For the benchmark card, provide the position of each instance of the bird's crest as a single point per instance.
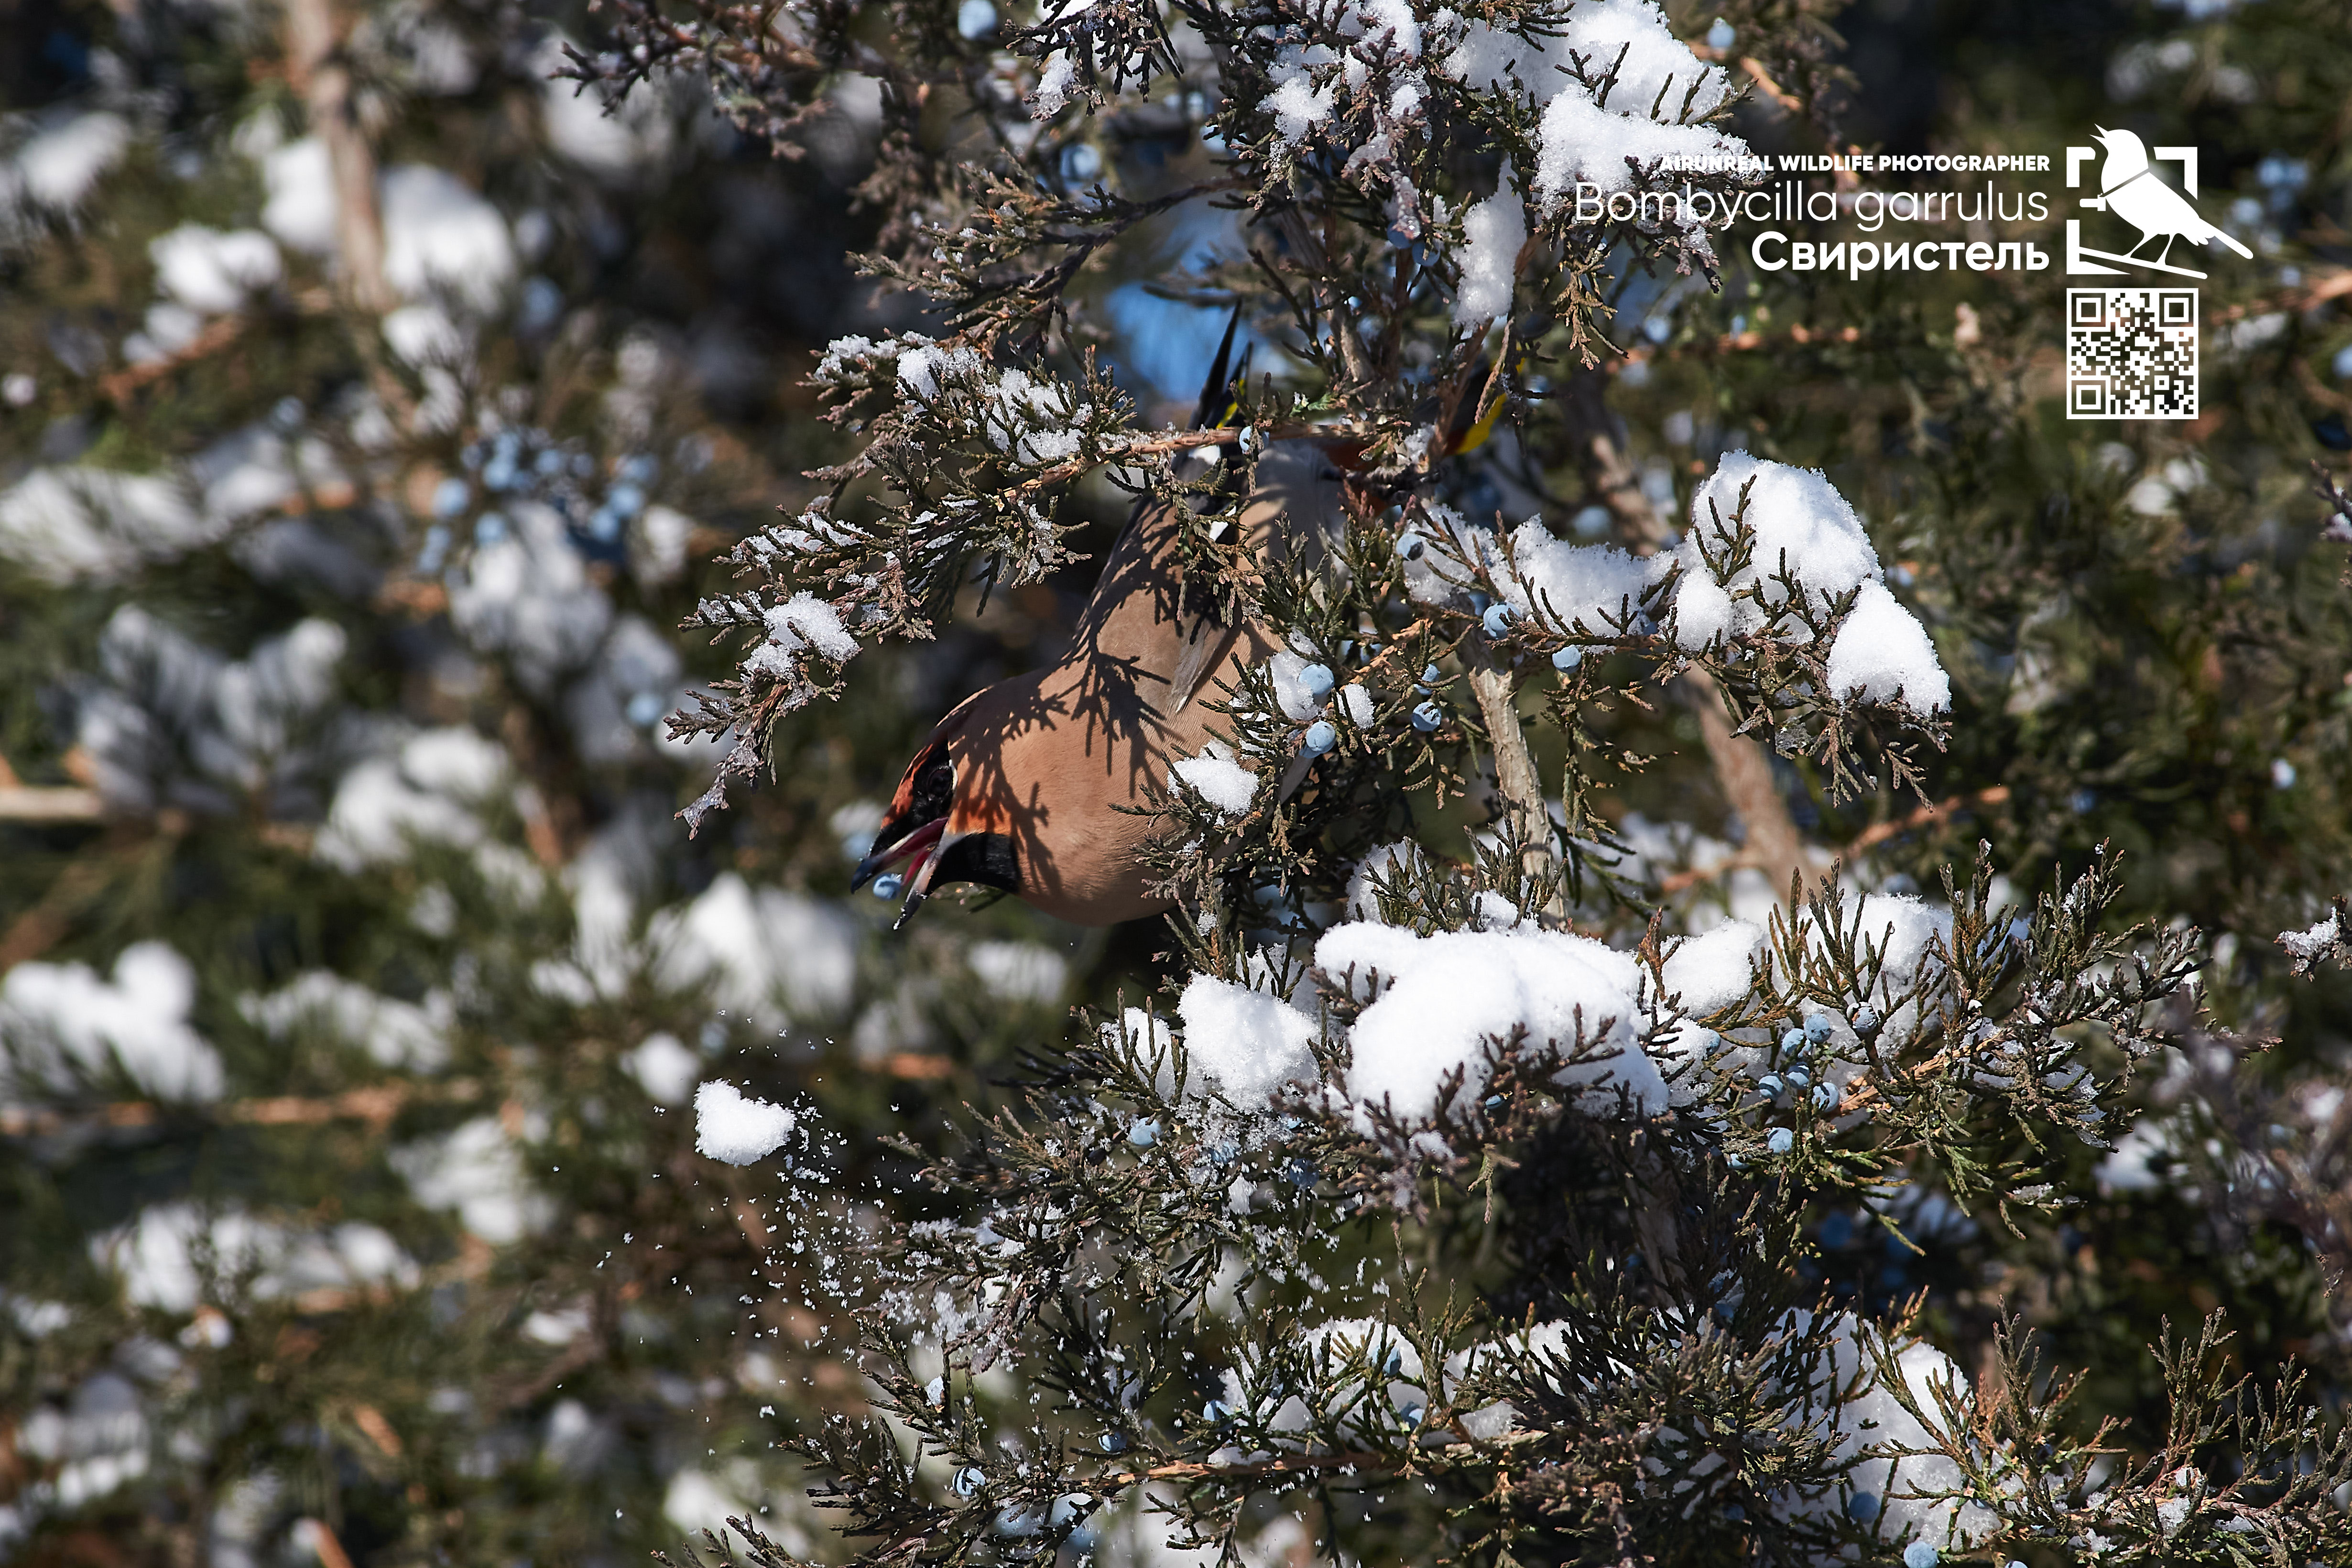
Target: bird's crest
(1221, 393)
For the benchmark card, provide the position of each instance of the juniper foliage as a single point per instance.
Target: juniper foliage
(1680, 1395)
(356, 971)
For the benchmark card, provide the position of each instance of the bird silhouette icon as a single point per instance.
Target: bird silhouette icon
(2130, 188)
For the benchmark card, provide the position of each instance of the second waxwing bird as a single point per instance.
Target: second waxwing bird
(1041, 784)
(2130, 188)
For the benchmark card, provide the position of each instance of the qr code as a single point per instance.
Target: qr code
(2131, 354)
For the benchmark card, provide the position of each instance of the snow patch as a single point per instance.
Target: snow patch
(1019, 971)
(741, 1130)
(1247, 1043)
(1492, 233)
(1799, 520)
(1864, 1413)
(1714, 970)
(439, 233)
(767, 954)
(1436, 1002)
(301, 209)
(404, 1036)
(64, 1029)
(1581, 143)
(529, 595)
(427, 791)
(1882, 654)
(206, 269)
(611, 139)
(801, 622)
(1218, 778)
(1055, 79)
(56, 168)
(476, 1170)
(72, 523)
(1560, 584)
(174, 1256)
(665, 1067)
(2308, 947)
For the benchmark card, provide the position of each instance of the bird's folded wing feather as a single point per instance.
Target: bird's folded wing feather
(1144, 615)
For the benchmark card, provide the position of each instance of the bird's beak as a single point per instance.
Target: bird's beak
(888, 854)
(920, 883)
(924, 845)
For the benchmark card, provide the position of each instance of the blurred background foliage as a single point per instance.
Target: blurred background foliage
(357, 973)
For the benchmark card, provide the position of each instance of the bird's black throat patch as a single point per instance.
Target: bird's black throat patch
(987, 858)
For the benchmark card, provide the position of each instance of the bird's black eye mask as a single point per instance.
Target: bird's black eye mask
(933, 792)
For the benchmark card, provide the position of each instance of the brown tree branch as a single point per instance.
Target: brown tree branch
(34, 803)
(1742, 769)
(1514, 770)
(314, 41)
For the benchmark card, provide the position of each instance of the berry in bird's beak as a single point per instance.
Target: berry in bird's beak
(922, 848)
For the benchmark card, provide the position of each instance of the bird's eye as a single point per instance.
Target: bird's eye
(934, 790)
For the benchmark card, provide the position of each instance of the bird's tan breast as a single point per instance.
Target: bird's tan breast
(1070, 764)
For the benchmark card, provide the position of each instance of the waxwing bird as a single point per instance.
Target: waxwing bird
(2131, 189)
(1034, 784)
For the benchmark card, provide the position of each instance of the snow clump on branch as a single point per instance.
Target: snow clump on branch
(1217, 778)
(1597, 120)
(1494, 231)
(802, 622)
(2329, 936)
(1867, 1416)
(1249, 1043)
(1563, 585)
(1432, 1004)
(1658, 68)
(62, 1026)
(1803, 529)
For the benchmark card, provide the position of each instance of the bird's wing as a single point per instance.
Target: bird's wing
(2163, 210)
(1144, 617)
(1207, 645)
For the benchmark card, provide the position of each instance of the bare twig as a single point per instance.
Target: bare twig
(322, 1541)
(376, 1104)
(315, 61)
(1876, 833)
(1741, 767)
(1772, 89)
(1515, 772)
(34, 803)
(216, 335)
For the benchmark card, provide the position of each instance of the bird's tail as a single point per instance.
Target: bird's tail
(2232, 241)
